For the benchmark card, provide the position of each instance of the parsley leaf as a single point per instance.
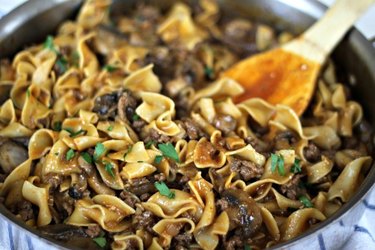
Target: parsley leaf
(277, 161)
(296, 168)
(164, 190)
(149, 144)
(169, 151)
(99, 151)
(100, 241)
(110, 128)
(109, 168)
(280, 165)
(28, 94)
(158, 159)
(87, 157)
(305, 201)
(74, 134)
(128, 151)
(135, 117)
(62, 64)
(57, 126)
(75, 57)
(209, 72)
(48, 44)
(70, 154)
(247, 247)
(274, 160)
(110, 68)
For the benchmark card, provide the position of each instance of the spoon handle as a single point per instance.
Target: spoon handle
(318, 41)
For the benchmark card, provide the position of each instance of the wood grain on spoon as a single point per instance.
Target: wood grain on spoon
(287, 75)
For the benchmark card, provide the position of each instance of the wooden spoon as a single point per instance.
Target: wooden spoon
(287, 75)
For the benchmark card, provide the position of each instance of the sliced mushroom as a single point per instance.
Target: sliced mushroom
(243, 211)
(11, 155)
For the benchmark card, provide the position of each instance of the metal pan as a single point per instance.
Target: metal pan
(31, 22)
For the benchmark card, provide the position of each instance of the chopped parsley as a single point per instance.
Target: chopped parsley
(158, 159)
(48, 44)
(99, 151)
(110, 128)
(277, 161)
(62, 64)
(164, 190)
(109, 168)
(247, 247)
(149, 144)
(75, 57)
(110, 68)
(135, 117)
(74, 134)
(128, 151)
(209, 72)
(305, 201)
(100, 241)
(296, 168)
(169, 151)
(28, 93)
(87, 157)
(57, 153)
(70, 154)
(57, 126)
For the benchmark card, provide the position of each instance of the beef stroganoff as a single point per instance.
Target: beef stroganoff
(120, 132)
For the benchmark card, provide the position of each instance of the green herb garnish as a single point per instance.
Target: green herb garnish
(169, 151)
(57, 153)
(99, 151)
(280, 165)
(57, 126)
(135, 117)
(100, 241)
(110, 68)
(296, 168)
(274, 160)
(158, 159)
(149, 144)
(70, 154)
(87, 157)
(277, 161)
(75, 57)
(110, 128)
(48, 44)
(164, 190)
(247, 247)
(28, 94)
(305, 201)
(109, 168)
(209, 72)
(128, 151)
(62, 64)
(74, 134)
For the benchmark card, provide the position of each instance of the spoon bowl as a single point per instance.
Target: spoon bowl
(287, 75)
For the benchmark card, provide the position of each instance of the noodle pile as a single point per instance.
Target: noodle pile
(129, 158)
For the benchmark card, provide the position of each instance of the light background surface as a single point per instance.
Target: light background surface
(12, 238)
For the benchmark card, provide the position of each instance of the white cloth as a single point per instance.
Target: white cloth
(14, 238)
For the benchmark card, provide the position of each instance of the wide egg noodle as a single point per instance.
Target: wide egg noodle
(180, 26)
(349, 179)
(38, 196)
(106, 210)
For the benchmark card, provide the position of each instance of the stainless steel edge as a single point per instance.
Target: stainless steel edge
(347, 215)
(28, 13)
